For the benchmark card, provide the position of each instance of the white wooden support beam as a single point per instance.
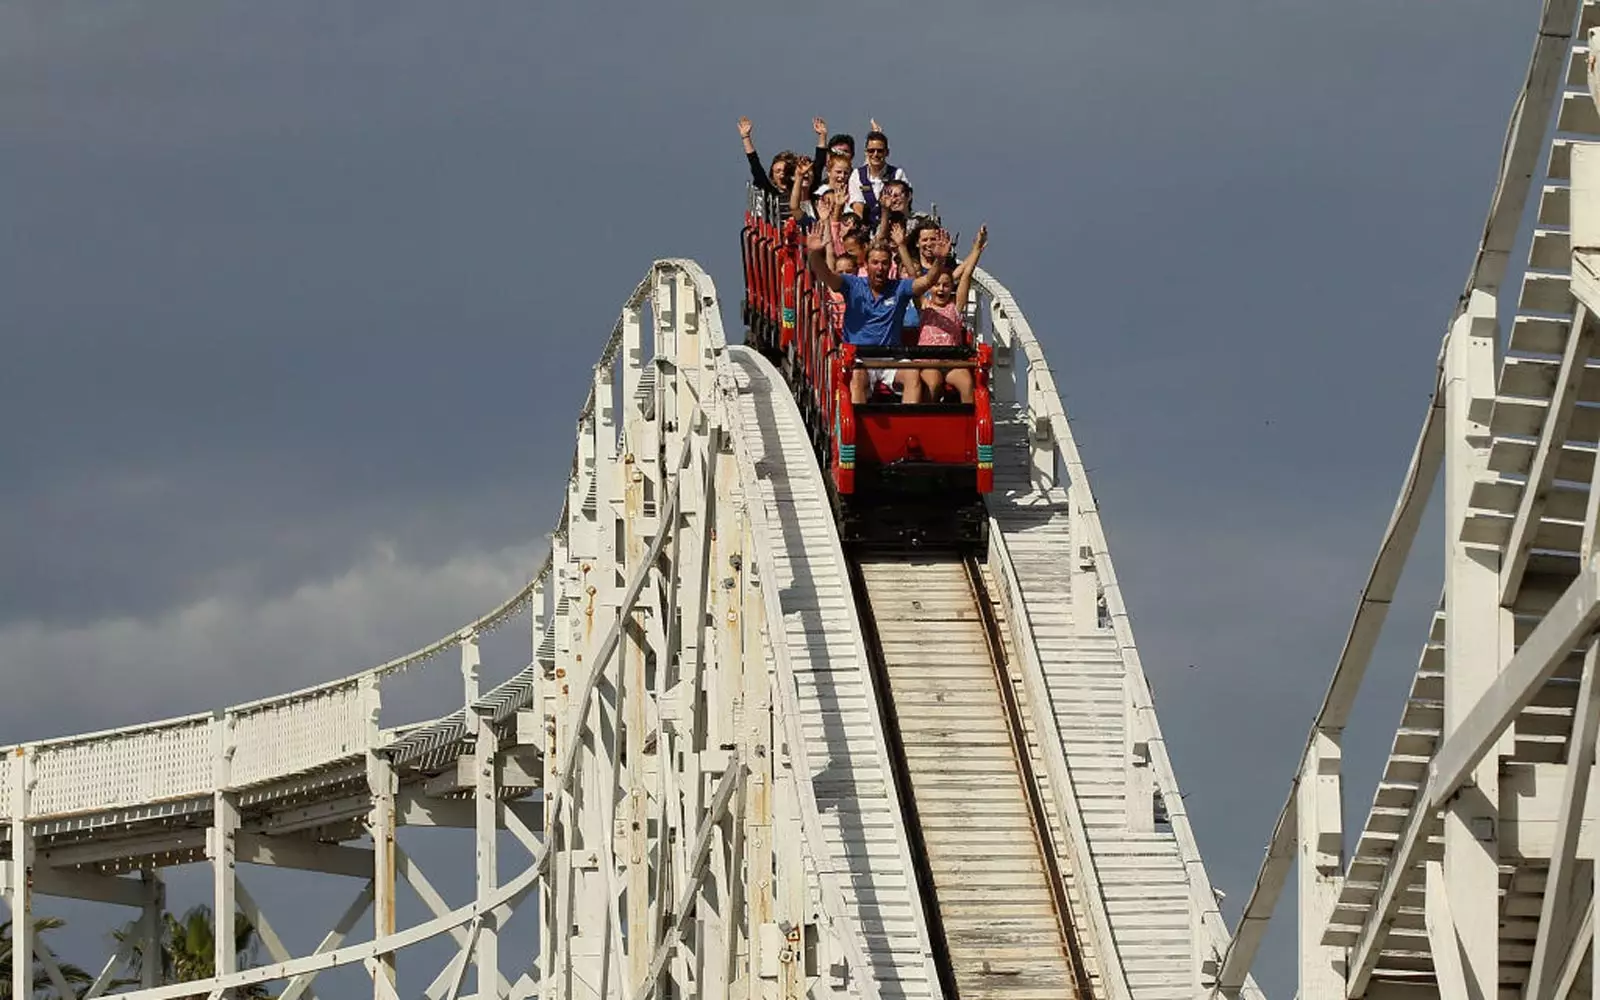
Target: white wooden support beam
(52, 968)
(633, 711)
(117, 891)
(1448, 964)
(1478, 695)
(305, 855)
(756, 750)
(431, 898)
(1472, 648)
(1572, 618)
(1558, 924)
(300, 985)
(1557, 921)
(1321, 867)
(264, 929)
(221, 845)
(420, 809)
(487, 877)
(150, 930)
(379, 866)
(108, 972)
(1582, 943)
(685, 909)
(520, 767)
(19, 891)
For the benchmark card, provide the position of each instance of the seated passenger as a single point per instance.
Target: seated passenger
(942, 313)
(826, 147)
(866, 183)
(836, 180)
(839, 225)
(774, 180)
(894, 209)
(875, 306)
(801, 206)
(844, 263)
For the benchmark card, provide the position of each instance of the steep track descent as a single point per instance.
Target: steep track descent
(999, 913)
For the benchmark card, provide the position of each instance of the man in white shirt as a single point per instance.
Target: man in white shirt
(866, 183)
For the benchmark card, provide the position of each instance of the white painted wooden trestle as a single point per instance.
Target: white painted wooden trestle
(1473, 873)
(685, 782)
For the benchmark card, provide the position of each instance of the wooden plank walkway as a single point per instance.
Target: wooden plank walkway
(850, 764)
(1141, 874)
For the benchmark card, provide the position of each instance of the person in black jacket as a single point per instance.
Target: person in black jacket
(777, 179)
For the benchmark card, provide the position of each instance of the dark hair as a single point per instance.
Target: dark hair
(787, 156)
(918, 226)
(876, 135)
(903, 184)
(843, 137)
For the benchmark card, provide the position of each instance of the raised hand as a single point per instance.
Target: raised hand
(873, 123)
(897, 234)
(826, 207)
(940, 244)
(981, 240)
(745, 128)
(816, 242)
(821, 128)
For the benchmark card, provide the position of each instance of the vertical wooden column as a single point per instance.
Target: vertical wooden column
(640, 462)
(486, 815)
(19, 888)
(1041, 441)
(756, 754)
(1319, 811)
(150, 928)
(1474, 646)
(555, 909)
(381, 786)
(220, 849)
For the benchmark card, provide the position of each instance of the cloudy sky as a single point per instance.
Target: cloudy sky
(298, 302)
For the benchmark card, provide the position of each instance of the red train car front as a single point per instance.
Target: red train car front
(902, 475)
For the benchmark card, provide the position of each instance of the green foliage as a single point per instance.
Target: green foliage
(189, 950)
(43, 987)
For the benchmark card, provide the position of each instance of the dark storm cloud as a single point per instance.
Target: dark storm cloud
(286, 285)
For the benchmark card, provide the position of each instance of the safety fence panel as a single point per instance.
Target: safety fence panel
(170, 760)
(297, 734)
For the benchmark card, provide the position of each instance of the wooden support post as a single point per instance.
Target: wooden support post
(1319, 807)
(151, 927)
(485, 799)
(382, 784)
(633, 652)
(756, 751)
(220, 849)
(1041, 439)
(1473, 647)
(19, 889)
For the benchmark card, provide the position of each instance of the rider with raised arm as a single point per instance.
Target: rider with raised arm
(776, 180)
(942, 326)
(875, 306)
(866, 183)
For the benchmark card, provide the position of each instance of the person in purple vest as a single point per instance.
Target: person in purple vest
(867, 181)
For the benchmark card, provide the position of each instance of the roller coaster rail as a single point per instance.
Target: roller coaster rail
(656, 753)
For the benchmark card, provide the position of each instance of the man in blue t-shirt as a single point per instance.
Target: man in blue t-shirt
(874, 306)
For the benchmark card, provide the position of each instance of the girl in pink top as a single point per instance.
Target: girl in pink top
(941, 310)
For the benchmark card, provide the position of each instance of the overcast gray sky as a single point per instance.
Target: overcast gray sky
(299, 302)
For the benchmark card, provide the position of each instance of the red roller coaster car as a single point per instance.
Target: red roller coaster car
(902, 475)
